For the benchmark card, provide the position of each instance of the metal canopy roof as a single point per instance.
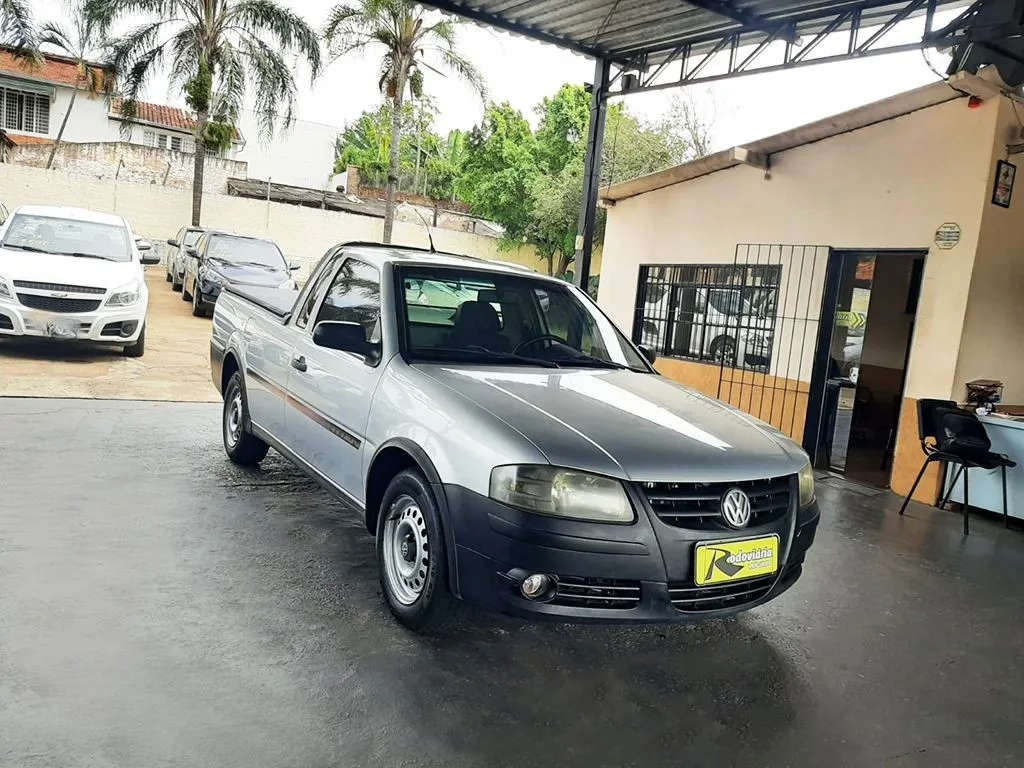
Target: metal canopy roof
(624, 30)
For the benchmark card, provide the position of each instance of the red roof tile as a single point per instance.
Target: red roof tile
(23, 139)
(52, 69)
(160, 114)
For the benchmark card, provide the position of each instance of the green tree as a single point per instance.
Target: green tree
(366, 142)
(17, 27)
(562, 134)
(500, 170)
(408, 43)
(445, 167)
(217, 51)
(79, 42)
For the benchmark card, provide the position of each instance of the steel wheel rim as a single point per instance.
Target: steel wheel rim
(406, 550)
(233, 423)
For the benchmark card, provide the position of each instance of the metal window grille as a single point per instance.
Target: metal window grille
(718, 313)
(28, 112)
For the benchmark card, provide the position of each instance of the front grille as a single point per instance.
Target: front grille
(706, 599)
(6, 324)
(58, 287)
(50, 304)
(575, 592)
(697, 505)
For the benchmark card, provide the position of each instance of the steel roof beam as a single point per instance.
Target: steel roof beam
(750, 21)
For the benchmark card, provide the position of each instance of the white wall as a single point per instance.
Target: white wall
(88, 121)
(302, 155)
(889, 185)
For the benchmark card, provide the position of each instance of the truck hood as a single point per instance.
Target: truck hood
(67, 270)
(636, 426)
(243, 274)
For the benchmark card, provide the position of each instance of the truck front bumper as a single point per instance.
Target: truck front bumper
(610, 574)
(115, 325)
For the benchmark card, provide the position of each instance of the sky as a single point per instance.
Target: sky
(522, 72)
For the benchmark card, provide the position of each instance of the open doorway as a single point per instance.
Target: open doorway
(867, 328)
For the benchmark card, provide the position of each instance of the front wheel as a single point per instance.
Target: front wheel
(138, 349)
(411, 556)
(185, 295)
(197, 302)
(241, 446)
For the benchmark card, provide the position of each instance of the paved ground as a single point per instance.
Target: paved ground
(176, 365)
(160, 607)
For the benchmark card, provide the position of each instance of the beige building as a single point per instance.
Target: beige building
(827, 278)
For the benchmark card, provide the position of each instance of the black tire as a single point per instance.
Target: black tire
(435, 608)
(175, 285)
(723, 350)
(241, 446)
(197, 303)
(138, 349)
(185, 295)
(168, 277)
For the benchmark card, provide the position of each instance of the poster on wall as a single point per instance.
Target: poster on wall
(1003, 190)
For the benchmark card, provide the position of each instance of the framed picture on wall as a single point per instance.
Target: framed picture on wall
(1003, 190)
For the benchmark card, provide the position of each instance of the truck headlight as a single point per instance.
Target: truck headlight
(806, 481)
(5, 290)
(127, 295)
(561, 493)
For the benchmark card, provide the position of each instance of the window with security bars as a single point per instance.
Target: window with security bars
(718, 313)
(159, 140)
(25, 112)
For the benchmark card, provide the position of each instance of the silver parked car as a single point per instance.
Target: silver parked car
(507, 445)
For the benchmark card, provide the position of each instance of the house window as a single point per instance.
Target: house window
(28, 112)
(159, 140)
(717, 313)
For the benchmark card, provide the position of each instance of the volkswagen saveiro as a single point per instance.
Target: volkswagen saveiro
(69, 273)
(507, 445)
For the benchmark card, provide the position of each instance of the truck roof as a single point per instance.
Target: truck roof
(378, 255)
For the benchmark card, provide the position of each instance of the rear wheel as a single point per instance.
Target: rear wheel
(138, 349)
(411, 556)
(723, 350)
(241, 446)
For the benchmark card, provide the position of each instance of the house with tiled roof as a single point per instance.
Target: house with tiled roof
(34, 99)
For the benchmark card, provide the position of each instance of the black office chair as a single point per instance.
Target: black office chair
(959, 438)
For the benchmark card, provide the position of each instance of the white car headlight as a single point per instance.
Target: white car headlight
(806, 480)
(561, 493)
(5, 290)
(127, 295)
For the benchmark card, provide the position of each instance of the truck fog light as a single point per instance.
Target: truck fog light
(535, 586)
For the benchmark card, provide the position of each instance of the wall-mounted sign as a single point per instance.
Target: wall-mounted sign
(947, 236)
(855, 321)
(1003, 189)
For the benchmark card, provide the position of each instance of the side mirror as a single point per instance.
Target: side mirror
(173, 243)
(345, 337)
(294, 266)
(149, 258)
(648, 354)
(191, 251)
(144, 245)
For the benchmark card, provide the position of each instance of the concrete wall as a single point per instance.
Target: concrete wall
(888, 185)
(132, 163)
(158, 212)
(88, 121)
(992, 334)
(301, 155)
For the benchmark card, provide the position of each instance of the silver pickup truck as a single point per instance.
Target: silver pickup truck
(507, 445)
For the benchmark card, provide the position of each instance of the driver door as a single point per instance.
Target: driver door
(330, 391)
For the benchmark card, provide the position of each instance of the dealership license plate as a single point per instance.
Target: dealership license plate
(719, 562)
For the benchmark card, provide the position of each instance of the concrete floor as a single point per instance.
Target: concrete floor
(161, 607)
(176, 365)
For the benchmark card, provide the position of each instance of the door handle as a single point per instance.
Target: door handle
(299, 363)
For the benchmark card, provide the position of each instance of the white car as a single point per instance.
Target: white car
(71, 273)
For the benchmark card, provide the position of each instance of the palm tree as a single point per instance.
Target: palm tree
(399, 29)
(17, 28)
(78, 43)
(216, 51)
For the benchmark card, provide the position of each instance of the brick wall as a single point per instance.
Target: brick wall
(132, 163)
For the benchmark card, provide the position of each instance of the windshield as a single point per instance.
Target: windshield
(68, 237)
(728, 302)
(192, 236)
(245, 250)
(464, 315)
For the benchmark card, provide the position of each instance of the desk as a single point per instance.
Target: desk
(986, 486)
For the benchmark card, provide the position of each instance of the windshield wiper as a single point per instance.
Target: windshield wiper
(481, 353)
(589, 361)
(31, 248)
(83, 255)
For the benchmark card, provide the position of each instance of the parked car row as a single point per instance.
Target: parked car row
(507, 445)
(70, 273)
(201, 261)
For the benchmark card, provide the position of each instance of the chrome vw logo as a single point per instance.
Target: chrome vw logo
(736, 508)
